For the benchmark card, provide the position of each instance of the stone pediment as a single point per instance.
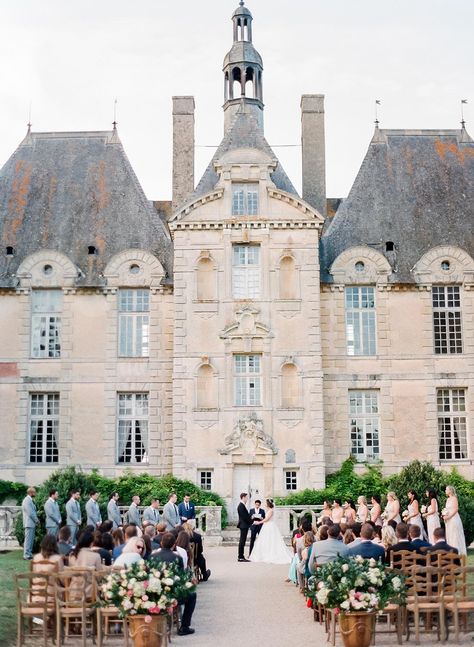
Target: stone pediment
(248, 438)
(246, 326)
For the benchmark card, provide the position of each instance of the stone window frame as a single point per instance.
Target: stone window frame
(134, 323)
(247, 376)
(453, 414)
(206, 256)
(46, 320)
(364, 416)
(133, 418)
(61, 273)
(290, 477)
(134, 268)
(205, 362)
(364, 322)
(246, 270)
(446, 317)
(45, 418)
(428, 270)
(249, 204)
(376, 268)
(209, 478)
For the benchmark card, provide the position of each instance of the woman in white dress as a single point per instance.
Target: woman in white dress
(432, 515)
(362, 509)
(414, 515)
(392, 509)
(454, 529)
(376, 512)
(269, 545)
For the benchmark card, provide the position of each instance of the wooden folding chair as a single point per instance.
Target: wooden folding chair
(75, 603)
(107, 616)
(425, 600)
(460, 603)
(34, 606)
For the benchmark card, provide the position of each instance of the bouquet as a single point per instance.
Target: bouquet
(405, 515)
(356, 584)
(444, 512)
(384, 515)
(149, 588)
(424, 509)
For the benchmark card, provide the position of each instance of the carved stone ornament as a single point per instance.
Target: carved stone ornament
(248, 436)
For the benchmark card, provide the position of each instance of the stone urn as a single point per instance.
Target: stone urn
(148, 630)
(357, 628)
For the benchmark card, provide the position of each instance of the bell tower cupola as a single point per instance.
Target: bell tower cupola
(243, 68)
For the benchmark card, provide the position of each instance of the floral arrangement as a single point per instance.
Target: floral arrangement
(405, 515)
(147, 588)
(356, 584)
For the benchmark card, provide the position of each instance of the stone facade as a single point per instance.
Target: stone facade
(238, 338)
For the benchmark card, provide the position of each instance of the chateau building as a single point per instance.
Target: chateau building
(242, 336)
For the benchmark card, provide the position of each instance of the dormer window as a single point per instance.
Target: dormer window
(245, 199)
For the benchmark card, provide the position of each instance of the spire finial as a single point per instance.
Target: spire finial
(463, 122)
(241, 3)
(377, 103)
(29, 124)
(114, 123)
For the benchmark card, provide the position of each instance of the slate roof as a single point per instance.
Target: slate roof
(415, 188)
(68, 191)
(245, 132)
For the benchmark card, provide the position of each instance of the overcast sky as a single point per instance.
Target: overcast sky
(70, 59)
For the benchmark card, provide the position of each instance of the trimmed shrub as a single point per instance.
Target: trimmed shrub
(12, 490)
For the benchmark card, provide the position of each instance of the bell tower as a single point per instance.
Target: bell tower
(243, 68)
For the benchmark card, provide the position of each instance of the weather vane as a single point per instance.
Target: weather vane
(463, 123)
(114, 123)
(377, 103)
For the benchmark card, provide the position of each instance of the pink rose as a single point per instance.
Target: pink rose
(144, 598)
(148, 619)
(145, 584)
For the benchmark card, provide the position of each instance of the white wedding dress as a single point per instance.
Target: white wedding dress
(269, 546)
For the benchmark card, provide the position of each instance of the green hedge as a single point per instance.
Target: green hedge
(12, 490)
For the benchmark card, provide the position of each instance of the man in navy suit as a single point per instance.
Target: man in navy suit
(257, 514)
(419, 544)
(245, 522)
(440, 543)
(366, 548)
(186, 509)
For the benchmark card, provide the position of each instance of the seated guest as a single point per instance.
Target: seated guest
(129, 532)
(414, 533)
(48, 560)
(355, 529)
(148, 546)
(106, 526)
(160, 531)
(132, 552)
(322, 533)
(166, 554)
(150, 532)
(327, 550)
(196, 538)
(348, 537)
(326, 521)
(184, 543)
(98, 546)
(83, 555)
(64, 542)
(378, 533)
(403, 543)
(367, 548)
(440, 543)
(388, 537)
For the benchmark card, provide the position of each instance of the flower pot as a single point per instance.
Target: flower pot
(148, 631)
(357, 628)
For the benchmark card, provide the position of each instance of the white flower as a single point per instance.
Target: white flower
(423, 509)
(322, 595)
(397, 583)
(168, 581)
(346, 604)
(345, 568)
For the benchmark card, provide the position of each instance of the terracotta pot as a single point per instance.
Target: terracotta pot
(357, 628)
(148, 634)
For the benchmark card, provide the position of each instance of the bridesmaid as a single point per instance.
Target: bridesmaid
(349, 512)
(414, 516)
(392, 508)
(454, 529)
(376, 512)
(325, 512)
(337, 511)
(432, 514)
(362, 509)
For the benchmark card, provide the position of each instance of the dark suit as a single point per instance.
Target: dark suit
(254, 530)
(190, 513)
(245, 521)
(442, 545)
(168, 556)
(420, 545)
(200, 559)
(404, 544)
(367, 550)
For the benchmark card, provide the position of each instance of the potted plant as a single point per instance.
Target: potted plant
(145, 594)
(356, 588)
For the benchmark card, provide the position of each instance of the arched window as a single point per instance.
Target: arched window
(288, 276)
(206, 389)
(290, 387)
(206, 280)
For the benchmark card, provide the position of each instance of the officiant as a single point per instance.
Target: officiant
(257, 513)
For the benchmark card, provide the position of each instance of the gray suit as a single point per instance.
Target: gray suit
(171, 516)
(134, 514)
(93, 513)
(53, 517)
(326, 551)
(73, 511)
(151, 514)
(113, 513)
(30, 520)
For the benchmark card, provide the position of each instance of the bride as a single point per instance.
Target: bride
(269, 546)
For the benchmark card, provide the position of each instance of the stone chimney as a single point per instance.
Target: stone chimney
(183, 149)
(313, 151)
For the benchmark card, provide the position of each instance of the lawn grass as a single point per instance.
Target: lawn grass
(10, 564)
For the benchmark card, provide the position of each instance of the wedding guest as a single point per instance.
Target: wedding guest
(392, 509)
(378, 533)
(322, 533)
(432, 514)
(160, 531)
(362, 510)
(355, 529)
(303, 566)
(196, 538)
(152, 513)
(186, 509)
(148, 545)
(30, 521)
(132, 552)
(403, 543)
(64, 543)
(454, 528)
(337, 511)
(349, 512)
(118, 537)
(73, 514)
(325, 512)
(376, 512)
(49, 553)
(129, 531)
(388, 537)
(52, 513)
(98, 547)
(106, 526)
(414, 516)
(367, 548)
(83, 555)
(186, 553)
(327, 550)
(170, 512)
(348, 537)
(417, 542)
(113, 511)
(440, 543)
(133, 514)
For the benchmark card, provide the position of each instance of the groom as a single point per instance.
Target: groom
(245, 521)
(257, 514)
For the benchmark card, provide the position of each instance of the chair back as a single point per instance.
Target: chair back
(404, 560)
(427, 583)
(74, 588)
(32, 592)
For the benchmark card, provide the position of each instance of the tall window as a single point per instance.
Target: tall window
(364, 425)
(246, 271)
(46, 323)
(291, 480)
(247, 377)
(452, 427)
(134, 306)
(360, 321)
(44, 428)
(205, 479)
(132, 431)
(447, 319)
(245, 199)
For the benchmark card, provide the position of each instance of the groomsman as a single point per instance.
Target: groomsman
(133, 511)
(113, 512)
(186, 509)
(73, 512)
(53, 516)
(257, 514)
(30, 521)
(94, 518)
(151, 513)
(170, 513)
